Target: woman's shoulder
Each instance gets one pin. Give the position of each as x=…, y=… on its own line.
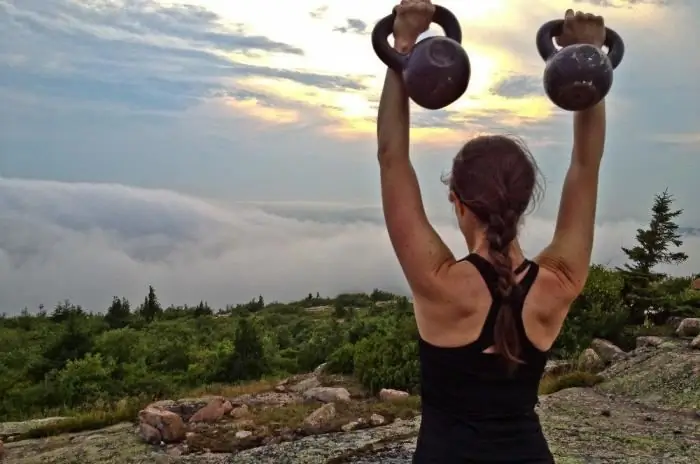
x=460, y=289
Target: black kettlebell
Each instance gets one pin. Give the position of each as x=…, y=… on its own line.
x=436, y=71
x=577, y=76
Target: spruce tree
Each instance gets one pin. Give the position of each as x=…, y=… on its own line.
x=655, y=245
x=247, y=360
x=150, y=309
x=118, y=313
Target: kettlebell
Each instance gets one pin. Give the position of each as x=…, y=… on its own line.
x=436, y=71
x=580, y=75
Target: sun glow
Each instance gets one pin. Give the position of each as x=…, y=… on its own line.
x=490, y=35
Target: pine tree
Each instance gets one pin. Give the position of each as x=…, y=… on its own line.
x=203, y=309
x=655, y=242
x=64, y=311
x=655, y=245
x=118, y=313
x=150, y=309
x=247, y=361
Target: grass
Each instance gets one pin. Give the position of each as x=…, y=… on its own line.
x=230, y=391
x=123, y=411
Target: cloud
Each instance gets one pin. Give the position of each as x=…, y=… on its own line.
x=353, y=26
x=136, y=52
x=89, y=242
x=242, y=104
x=623, y=3
x=518, y=86
x=135, y=20
x=690, y=138
x=319, y=13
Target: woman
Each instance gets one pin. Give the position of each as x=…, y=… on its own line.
x=486, y=322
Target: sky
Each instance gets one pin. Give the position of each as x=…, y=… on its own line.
x=220, y=151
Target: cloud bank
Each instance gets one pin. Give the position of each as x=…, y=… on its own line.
x=89, y=242
x=239, y=104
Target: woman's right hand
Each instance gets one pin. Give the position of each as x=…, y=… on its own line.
x=413, y=17
x=582, y=28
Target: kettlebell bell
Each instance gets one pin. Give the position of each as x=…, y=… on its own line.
x=436, y=71
x=580, y=75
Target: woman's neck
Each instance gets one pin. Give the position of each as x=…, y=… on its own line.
x=481, y=247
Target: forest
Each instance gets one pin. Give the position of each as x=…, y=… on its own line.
x=72, y=359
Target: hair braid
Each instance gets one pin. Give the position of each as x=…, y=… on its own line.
x=501, y=231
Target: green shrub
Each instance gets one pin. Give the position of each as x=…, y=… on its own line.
x=342, y=360
x=389, y=360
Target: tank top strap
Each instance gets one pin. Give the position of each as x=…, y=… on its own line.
x=490, y=276
x=527, y=281
x=487, y=272
x=522, y=267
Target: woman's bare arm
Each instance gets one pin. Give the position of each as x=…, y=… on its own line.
x=419, y=249
x=569, y=254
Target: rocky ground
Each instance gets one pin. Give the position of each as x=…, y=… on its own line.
x=646, y=411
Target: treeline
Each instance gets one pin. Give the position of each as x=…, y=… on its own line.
x=71, y=359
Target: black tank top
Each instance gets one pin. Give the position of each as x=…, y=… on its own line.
x=473, y=409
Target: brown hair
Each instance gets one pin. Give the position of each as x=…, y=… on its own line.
x=496, y=178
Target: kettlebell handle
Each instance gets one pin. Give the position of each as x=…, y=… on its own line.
x=555, y=27
x=385, y=27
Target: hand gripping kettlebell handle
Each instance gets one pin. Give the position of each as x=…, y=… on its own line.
x=554, y=28
x=385, y=27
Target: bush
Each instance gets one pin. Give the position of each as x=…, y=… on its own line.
x=389, y=360
x=342, y=360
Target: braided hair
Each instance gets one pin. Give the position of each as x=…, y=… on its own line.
x=501, y=231
x=495, y=177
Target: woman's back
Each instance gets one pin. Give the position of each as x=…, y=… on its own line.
x=475, y=407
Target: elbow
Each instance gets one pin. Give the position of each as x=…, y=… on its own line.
x=587, y=161
x=389, y=151
x=389, y=158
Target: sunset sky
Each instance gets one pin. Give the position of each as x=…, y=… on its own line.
x=109, y=107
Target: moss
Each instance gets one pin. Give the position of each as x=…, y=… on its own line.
x=551, y=384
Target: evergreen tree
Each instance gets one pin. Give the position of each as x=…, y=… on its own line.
x=64, y=311
x=202, y=309
x=118, y=313
x=655, y=245
x=150, y=309
x=73, y=343
x=247, y=361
